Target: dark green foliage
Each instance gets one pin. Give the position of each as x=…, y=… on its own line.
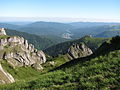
x=40, y=42
x=3, y=36
x=62, y=48
x=98, y=73
x=110, y=33
x=101, y=72
x=88, y=73
x=110, y=45
x=61, y=59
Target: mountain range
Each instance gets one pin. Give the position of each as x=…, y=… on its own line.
x=60, y=56
x=101, y=68
x=64, y=30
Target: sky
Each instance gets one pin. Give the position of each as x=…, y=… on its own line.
x=61, y=9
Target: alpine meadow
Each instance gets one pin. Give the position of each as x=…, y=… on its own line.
x=59, y=45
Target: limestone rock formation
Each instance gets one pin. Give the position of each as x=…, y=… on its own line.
x=5, y=77
x=18, y=52
x=78, y=51
x=2, y=31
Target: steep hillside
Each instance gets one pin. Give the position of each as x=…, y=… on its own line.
x=98, y=72
x=62, y=48
x=95, y=30
x=40, y=42
x=110, y=33
x=5, y=77
x=16, y=52
x=74, y=51
x=110, y=45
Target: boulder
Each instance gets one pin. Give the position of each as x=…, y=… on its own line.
x=78, y=51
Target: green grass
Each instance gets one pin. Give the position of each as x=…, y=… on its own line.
x=101, y=72
x=89, y=73
x=4, y=36
x=94, y=43
x=20, y=73
x=98, y=73
x=62, y=48
x=61, y=59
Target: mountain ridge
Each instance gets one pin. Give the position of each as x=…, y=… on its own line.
x=17, y=52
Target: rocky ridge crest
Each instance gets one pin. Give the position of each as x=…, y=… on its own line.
x=18, y=52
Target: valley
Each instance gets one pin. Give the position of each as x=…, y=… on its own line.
x=65, y=31
x=59, y=45
x=64, y=64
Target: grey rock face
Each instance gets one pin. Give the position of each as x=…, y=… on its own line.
x=37, y=66
x=78, y=51
x=18, y=52
x=2, y=31
x=52, y=63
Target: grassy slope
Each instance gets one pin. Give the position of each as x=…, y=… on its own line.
x=3, y=36
x=40, y=42
x=62, y=48
x=58, y=61
x=20, y=73
x=100, y=72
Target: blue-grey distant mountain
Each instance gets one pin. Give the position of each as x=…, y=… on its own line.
x=10, y=26
x=47, y=28
x=65, y=30
x=93, y=30
x=41, y=28
x=90, y=24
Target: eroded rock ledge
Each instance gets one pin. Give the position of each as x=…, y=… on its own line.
x=18, y=53
x=78, y=51
x=5, y=77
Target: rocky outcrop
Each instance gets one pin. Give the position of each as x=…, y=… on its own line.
x=2, y=31
x=18, y=52
x=5, y=77
x=78, y=51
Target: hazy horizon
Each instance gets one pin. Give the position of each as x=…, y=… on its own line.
x=60, y=11
x=56, y=19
